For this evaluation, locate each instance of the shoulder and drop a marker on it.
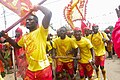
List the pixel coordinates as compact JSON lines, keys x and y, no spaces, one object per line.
{"x":42,"y":28}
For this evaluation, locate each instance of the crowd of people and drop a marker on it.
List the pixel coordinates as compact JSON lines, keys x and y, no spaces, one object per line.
{"x":40,"y":56}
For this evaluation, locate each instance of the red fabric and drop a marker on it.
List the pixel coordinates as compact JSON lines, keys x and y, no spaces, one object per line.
{"x":94,"y":25}
{"x":19,"y":30}
{"x":68,"y":66}
{"x":83,"y":26}
{"x":85,"y":69}
{"x":17,"y":6}
{"x":77,"y":29}
{"x":75,"y":11}
{"x":116,"y":37}
{"x":1,"y":66}
{"x":107,"y":30}
{"x":100,"y":60}
{"x":45,"y":74}
{"x":0,"y":46}
{"x":86,"y":28}
{"x":21,"y":62}
{"x":20,"y":7}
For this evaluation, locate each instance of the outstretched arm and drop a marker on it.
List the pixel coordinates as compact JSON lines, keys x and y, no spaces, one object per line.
{"x":10,"y":40}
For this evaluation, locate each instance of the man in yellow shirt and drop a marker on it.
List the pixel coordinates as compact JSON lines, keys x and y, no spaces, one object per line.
{"x":34,"y":44}
{"x":87,"y":32}
{"x":86,"y":54}
{"x":98,"y":40}
{"x":63,"y":45}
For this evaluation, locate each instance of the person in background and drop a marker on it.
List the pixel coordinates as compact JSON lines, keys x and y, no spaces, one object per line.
{"x":109,"y":47}
{"x":49,"y":50}
{"x":7,"y":54}
{"x":70,"y":34}
{"x":86,"y":53}
{"x":34,"y":44}
{"x":98,"y":40}
{"x":18,"y":35}
{"x":116,"y":34}
{"x":87,"y":32}
{"x":62,"y":46}
{"x":2,"y":60}
{"x":20,"y":55}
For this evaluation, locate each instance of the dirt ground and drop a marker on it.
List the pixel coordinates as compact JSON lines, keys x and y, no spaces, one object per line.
{"x":112,"y":67}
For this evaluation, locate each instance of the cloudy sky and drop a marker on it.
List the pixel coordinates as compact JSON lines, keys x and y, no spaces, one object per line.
{"x":101,"y":12}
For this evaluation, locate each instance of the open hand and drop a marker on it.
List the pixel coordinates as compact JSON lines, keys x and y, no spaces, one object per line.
{"x":118,"y":11}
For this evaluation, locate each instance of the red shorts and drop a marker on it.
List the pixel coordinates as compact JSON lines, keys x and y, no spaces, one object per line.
{"x":68,"y":66}
{"x":1,"y":66}
{"x":85,"y":69}
{"x":100,"y":60}
{"x":45,"y":74}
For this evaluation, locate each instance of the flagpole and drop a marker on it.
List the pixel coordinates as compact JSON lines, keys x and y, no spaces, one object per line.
{"x":17,"y":22}
{"x":13,"y":60}
{"x":21,"y":19}
{"x":4,"y":17}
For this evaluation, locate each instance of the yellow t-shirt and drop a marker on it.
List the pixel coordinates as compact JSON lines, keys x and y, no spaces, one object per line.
{"x":63,"y":46}
{"x":88,"y":37}
{"x":85,"y":45}
{"x":98,"y":44}
{"x":35,"y":47}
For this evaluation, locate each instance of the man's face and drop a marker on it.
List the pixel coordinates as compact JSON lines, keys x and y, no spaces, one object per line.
{"x":62,"y":32}
{"x":87,"y":31}
{"x":17,"y":34}
{"x":30,"y":22}
{"x":95,"y":29}
{"x":77,"y":34}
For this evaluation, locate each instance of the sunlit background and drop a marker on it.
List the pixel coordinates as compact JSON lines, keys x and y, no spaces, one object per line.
{"x":100,"y":12}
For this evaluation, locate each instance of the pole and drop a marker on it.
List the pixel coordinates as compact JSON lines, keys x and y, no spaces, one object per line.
{"x":4,"y":17}
{"x":13,"y":59}
{"x":21,"y":19}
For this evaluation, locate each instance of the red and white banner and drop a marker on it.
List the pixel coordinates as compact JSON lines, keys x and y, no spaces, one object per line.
{"x":20,"y":7}
{"x":76,"y":10}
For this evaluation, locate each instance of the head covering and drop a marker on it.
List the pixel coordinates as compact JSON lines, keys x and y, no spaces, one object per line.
{"x":86,"y":28}
{"x":77,"y":29}
{"x":107,"y":30}
{"x":94,"y":25}
{"x":19,"y":30}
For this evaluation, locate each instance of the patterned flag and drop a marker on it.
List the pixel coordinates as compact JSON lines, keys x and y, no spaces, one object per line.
{"x":20,"y":7}
{"x":76,"y":10}
{"x":83,"y":26}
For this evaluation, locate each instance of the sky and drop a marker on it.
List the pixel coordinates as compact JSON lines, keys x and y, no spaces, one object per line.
{"x":100,"y":12}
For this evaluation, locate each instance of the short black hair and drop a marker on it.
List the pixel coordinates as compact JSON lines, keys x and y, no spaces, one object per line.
{"x":64,"y":28}
{"x":35,"y":18}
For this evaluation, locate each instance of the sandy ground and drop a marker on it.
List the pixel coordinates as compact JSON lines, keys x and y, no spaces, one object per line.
{"x":112,"y":67}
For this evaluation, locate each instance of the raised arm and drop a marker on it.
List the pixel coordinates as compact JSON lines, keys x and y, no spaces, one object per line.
{"x":118,"y":11}
{"x":47,"y":15}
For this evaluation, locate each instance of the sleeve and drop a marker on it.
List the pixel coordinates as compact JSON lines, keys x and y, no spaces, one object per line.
{"x":74,"y":45}
{"x":105,"y":35}
{"x":21,"y":42}
{"x":43,"y":31}
{"x":89,"y":44}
